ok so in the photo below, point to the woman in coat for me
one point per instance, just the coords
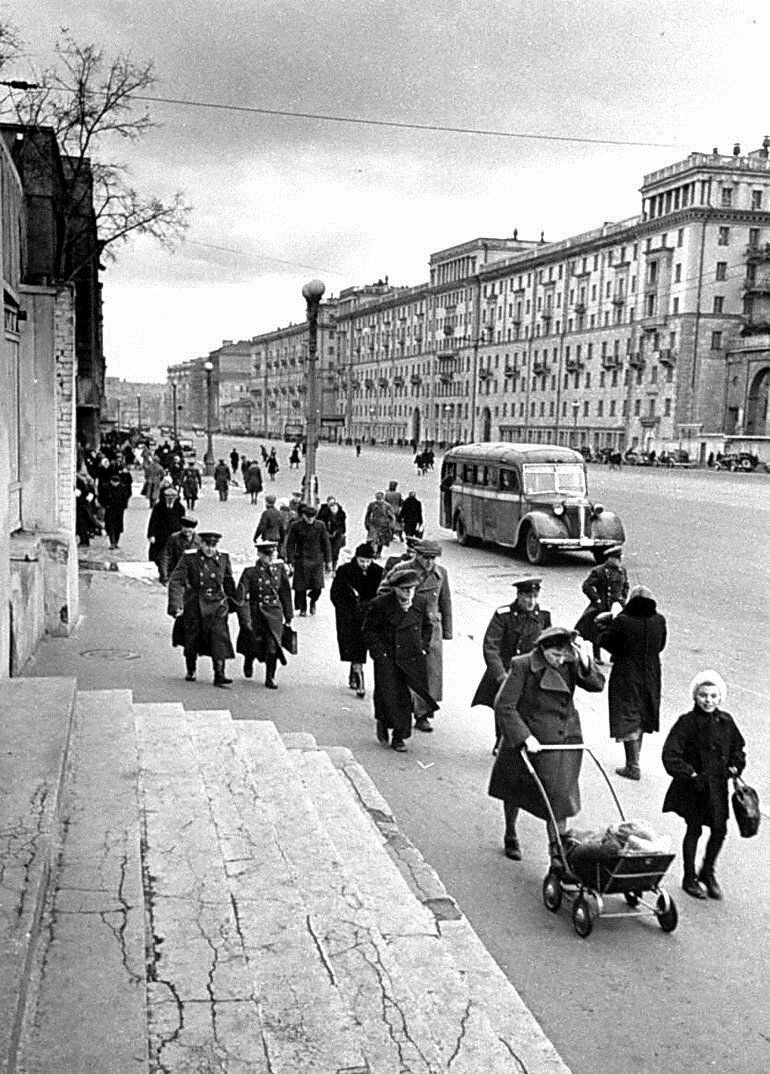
(253, 480)
(309, 553)
(397, 635)
(703, 748)
(165, 519)
(353, 589)
(264, 596)
(272, 465)
(636, 637)
(535, 707)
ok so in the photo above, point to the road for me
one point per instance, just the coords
(629, 998)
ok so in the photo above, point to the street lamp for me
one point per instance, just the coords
(447, 412)
(139, 412)
(208, 458)
(176, 422)
(312, 293)
(575, 412)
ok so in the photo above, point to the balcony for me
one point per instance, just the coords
(760, 252)
(573, 365)
(446, 361)
(757, 287)
(384, 382)
(618, 300)
(637, 360)
(446, 377)
(611, 361)
(399, 382)
(649, 421)
(485, 374)
(579, 307)
(540, 365)
(510, 371)
(415, 379)
(668, 357)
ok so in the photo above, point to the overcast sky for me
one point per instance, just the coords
(280, 200)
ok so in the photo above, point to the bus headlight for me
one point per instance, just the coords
(559, 509)
(598, 508)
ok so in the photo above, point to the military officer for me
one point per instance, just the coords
(201, 593)
(264, 595)
(607, 589)
(432, 597)
(180, 542)
(512, 631)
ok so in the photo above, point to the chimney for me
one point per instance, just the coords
(515, 234)
(737, 149)
(715, 152)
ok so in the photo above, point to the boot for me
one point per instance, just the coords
(511, 838)
(248, 667)
(361, 685)
(707, 876)
(690, 883)
(271, 662)
(190, 664)
(220, 679)
(631, 768)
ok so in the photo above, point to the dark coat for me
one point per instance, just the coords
(272, 465)
(308, 551)
(191, 482)
(205, 589)
(264, 596)
(162, 523)
(510, 633)
(114, 499)
(605, 585)
(253, 478)
(705, 745)
(536, 699)
(411, 515)
(175, 548)
(433, 597)
(397, 640)
(271, 526)
(222, 476)
(636, 638)
(351, 592)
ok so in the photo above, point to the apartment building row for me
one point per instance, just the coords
(651, 332)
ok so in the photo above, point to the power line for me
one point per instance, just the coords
(265, 257)
(399, 125)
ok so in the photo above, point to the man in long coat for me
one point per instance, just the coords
(379, 523)
(433, 597)
(165, 519)
(512, 630)
(264, 596)
(201, 593)
(605, 586)
(253, 480)
(309, 552)
(411, 516)
(191, 485)
(180, 542)
(535, 707)
(114, 499)
(354, 587)
(397, 634)
(636, 637)
(271, 525)
(222, 479)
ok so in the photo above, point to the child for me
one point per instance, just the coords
(703, 748)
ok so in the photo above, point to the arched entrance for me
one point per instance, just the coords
(416, 428)
(486, 424)
(756, 411)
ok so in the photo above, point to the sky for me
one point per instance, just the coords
(279, 200)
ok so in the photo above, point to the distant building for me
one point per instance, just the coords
(231, 377)
(128, 400)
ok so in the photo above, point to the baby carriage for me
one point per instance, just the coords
(586, 873)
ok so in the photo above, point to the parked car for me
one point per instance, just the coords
(741, 462)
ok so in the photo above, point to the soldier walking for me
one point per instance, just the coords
(201, 593)
(222, 479)
(606, 588)
(264, 596)
(309, 553)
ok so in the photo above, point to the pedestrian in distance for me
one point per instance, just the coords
(397, 635)
(264, 598)
(201, 594)
(635, 638)
(295, 458)
(253, 481)
(222, 479)
(309, 554)
(271, 526)
(607, 590)
(411, 516)
(434, 599)
(334, 518)
(180, 542)
(358, 449)
(379, 523)
(396, 500)
(512, 631)
(86, 525)
(353, 589)
(703, 749)
(235, 460)
(153, 476)
(272, 465)
(535, 707)
(191, 485)
(165, 519)
(114, 498)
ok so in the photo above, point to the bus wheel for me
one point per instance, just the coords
(461, 533)
(534, 550)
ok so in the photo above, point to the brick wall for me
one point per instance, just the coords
(64, 359)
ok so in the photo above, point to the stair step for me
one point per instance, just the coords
(92, 956)
(306, 1024)
(397, 1036)
(202, 1009)
(36, 718)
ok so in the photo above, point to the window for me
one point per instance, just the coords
(753, 237)
(756, 199)
(716, 341)
(675, 305)
(723, 236)
(588, 380)
(721, 270)
(727, 197)
(613, 406)
(667, 408)
(719, 304)
(637, 407)
(586, 409)
(600, 409)
(678, 273)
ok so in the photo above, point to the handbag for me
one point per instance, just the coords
(745, 807)
(289, 639)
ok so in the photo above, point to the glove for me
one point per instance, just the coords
(531, 744)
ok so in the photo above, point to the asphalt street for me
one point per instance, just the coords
(629, 998)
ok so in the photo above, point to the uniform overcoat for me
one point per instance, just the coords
(222, 476)
(433, 597)
(271, 526)
(510, 633)
(191, 483)
(264, 596)
(702, 744)
(379, 523)
(175, 548)
(204, 588)
(605, 585)
(397, 640)
(351, 592)
(308, 551)
(636, 637)
(537, 699)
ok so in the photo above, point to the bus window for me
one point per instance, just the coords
(509, 481)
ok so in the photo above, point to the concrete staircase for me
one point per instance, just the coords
(202, 895)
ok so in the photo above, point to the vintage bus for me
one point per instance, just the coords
(531, 497)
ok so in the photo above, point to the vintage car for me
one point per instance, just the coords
(532, 497)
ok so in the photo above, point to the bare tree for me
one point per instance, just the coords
(91, 102)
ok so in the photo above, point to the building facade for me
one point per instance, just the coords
(128, 403)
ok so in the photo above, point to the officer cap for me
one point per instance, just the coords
(403, 577)
(425, 547)
(528, 583)
(308, 510)
(210, 537)
(265, 546)
(555, 638)
(189, 522)
(365, 551)
(616, 550)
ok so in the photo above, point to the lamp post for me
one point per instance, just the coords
(208, 458)
(175, 416)
(575, 412)
(118, 421)
(139, 412)
(447, 412)
(312, 293)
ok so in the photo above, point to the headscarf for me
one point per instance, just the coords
(713, 678)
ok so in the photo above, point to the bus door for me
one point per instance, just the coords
(489, 507)
(447, 481)
(479, 477)
(508, 503)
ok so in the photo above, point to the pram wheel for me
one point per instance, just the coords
(667, 913)
(582, 919)
(631, 898)
(552, 892)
